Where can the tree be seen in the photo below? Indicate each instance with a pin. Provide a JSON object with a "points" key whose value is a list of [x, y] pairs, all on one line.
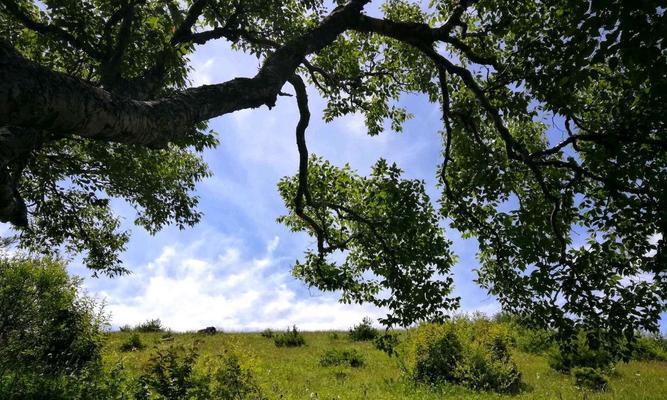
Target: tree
{"points": [[94, 103]]}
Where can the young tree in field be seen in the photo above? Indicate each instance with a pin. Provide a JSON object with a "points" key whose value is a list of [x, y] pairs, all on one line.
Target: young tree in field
{"points": [[94, 104]]}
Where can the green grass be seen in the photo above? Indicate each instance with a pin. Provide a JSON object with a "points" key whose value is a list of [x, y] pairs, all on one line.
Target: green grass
{"points": [[295, 373]]}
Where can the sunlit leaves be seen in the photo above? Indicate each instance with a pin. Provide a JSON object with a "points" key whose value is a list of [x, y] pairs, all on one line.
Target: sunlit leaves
{"points": [[391, 250]]}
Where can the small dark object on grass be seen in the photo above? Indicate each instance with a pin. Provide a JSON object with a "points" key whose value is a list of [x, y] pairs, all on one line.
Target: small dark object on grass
{"points": [[208, 330], [267, 333]]}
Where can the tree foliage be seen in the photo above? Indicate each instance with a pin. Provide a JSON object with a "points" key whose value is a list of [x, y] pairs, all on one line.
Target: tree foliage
{"points": [[389, 230], [554, 147]]}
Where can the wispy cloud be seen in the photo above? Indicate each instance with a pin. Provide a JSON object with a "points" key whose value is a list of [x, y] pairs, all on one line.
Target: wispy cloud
{"points": [[188, 286]]}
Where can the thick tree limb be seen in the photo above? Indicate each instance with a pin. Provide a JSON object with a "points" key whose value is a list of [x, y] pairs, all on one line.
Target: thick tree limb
{"points": [[33, 96], [413, 32]]}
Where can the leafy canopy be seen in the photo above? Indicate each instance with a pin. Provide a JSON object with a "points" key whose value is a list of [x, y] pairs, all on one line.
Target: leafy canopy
{"points": [[554, 147], [389, 231]]}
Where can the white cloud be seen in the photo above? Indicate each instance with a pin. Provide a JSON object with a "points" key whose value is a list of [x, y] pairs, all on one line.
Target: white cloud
{"points": [[355, 124], [201, 73], [188, 289]]}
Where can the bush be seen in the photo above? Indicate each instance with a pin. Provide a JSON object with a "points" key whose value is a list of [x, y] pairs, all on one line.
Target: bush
{"points": [[504, 317], [579, 353], [589, 378], [152, 325], [171, 376], [650, 348], [364, 331], [132, 343], [387, 343], [232, 382], [474, 354], [438, 359], [50, 334], [167, 335], [88, 383], [334, 357], [47, 325], [534, 341], [267, 333], [291, 338], [490, 368]]}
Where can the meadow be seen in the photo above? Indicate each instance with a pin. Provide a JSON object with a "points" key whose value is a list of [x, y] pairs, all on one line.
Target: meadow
{"points": [[296, 373]]}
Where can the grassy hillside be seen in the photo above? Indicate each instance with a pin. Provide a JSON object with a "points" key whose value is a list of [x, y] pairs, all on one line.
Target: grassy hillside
{"points": [[295, 373]]}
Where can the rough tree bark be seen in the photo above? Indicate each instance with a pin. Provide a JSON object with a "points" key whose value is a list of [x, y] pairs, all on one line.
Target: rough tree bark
{"points": [[36, 97]]}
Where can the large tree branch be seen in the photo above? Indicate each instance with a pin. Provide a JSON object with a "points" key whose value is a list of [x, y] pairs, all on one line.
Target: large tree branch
{"points": [[191, 17], [111, 66], [33, 96], [413, 32]]}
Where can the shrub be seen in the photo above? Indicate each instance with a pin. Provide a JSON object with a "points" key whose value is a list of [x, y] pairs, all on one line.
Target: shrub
{"points": [[167, 335], [649, 348], [534, 341], [578, 353], [490, 368], [231, 381], [47, 325], [471, 353], [50, 334], [387, 343], [363, 331], [152, 325], [132, 343], [589, 378], [504, 317], [438, 358], [334, 357], [267, 333], [334, 336], [90, 382], [171, 375], [291, 338]]}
